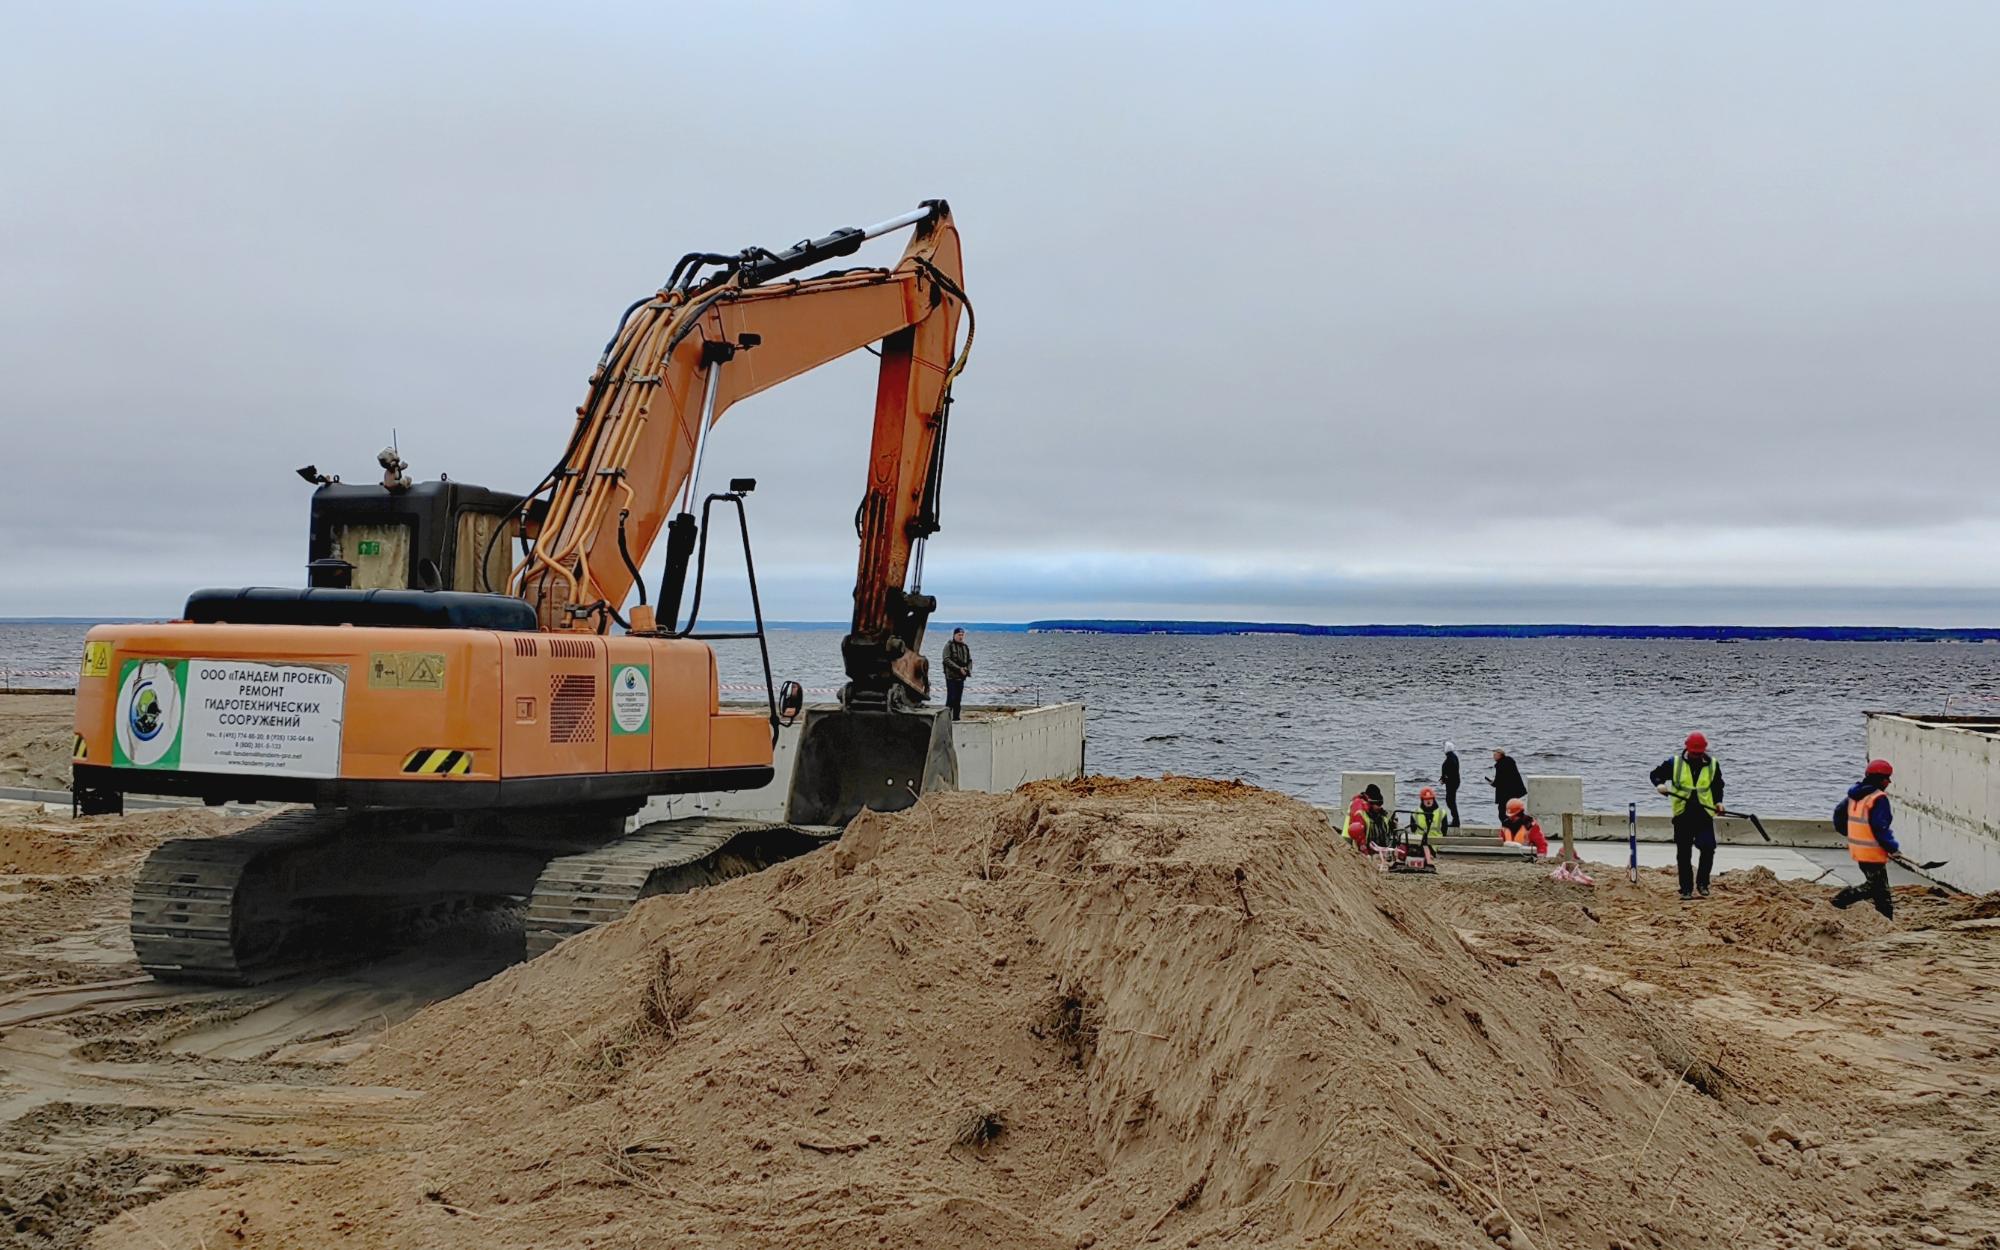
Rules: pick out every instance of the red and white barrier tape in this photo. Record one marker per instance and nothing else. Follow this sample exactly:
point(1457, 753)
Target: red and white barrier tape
point(729, 687)
point(744, 687)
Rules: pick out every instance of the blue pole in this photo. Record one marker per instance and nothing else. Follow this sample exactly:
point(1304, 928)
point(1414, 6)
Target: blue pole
point(1632, 841)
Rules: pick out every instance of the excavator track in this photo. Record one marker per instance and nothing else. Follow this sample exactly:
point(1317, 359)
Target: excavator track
point(579, 892)
point(200, 909)
point(310, 889)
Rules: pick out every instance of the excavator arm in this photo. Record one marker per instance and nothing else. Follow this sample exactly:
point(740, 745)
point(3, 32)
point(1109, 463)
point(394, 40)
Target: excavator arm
point(681, 357)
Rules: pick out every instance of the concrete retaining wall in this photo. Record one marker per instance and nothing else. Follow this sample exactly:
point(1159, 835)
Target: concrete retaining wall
point(996, 752)
point(1784, 830)
point(1000, 753)
point(1547, 795)
point(1946, 793)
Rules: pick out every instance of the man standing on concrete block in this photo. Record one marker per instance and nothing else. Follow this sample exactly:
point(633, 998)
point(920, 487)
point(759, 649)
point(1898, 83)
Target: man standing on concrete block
point(1506, 782)
point(1448, 777)
point(1864, 817)
point(957, 667)
point(1692, 781)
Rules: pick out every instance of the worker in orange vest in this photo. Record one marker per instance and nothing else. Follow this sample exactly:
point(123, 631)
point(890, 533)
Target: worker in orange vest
point(1522, 829)
point(1863, 816)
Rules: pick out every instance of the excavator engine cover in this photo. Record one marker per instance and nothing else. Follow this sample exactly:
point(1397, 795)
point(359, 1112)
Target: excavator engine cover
point(884, 760)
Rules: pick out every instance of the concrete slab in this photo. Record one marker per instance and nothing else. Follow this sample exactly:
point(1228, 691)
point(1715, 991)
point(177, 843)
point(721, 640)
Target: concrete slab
point(1353, 783)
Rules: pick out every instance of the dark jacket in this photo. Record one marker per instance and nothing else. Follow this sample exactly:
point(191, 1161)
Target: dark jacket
point(957, 660)
point(1507, 783)
point(1693, 815)
point(1878, 816)
point(1449, 773)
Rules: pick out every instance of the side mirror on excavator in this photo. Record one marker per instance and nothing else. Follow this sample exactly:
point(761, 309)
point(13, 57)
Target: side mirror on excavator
point(791, 702)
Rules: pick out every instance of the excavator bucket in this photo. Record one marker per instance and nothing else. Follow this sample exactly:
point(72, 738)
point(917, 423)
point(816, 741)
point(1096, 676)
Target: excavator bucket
point(873, 759)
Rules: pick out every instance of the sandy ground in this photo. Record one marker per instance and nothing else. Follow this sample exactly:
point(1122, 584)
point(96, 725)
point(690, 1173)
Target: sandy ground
point(1098, 1014)
point(35, 735)
point(1052, 1020)
point(115, 1090)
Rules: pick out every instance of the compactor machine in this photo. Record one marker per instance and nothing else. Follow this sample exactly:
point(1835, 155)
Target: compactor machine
point(474, 692)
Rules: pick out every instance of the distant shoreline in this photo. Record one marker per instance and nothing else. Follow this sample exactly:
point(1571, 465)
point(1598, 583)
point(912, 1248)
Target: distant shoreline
point(1197, 629)
point(1686, 633)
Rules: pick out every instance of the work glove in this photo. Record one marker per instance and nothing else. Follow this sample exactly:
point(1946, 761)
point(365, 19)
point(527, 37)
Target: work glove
point(1662, 790)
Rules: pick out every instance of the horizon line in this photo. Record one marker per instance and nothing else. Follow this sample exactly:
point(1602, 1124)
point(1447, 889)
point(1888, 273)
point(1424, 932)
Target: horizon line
point(1213, 625)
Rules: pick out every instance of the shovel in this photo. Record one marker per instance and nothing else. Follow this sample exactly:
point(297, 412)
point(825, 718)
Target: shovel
point(1755, 823)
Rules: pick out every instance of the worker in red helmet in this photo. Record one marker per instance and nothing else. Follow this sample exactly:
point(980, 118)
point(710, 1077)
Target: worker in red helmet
point(1368, 819)
point(1522, 829)
point(1692, 782)
point(1863, 817)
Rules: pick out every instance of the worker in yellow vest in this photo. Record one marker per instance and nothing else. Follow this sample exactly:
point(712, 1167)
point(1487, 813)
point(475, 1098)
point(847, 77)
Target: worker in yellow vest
point(1692, 781)
point(1863, 816)
point(1427, 822)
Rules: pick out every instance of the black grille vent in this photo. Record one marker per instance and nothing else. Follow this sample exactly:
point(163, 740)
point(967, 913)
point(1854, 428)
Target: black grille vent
point(572, 706)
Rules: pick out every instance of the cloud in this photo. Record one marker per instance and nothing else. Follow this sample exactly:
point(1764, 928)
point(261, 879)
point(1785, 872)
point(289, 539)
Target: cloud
point(1359, 309)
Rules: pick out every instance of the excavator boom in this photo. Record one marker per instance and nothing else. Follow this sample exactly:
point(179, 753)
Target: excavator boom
point(682, 357)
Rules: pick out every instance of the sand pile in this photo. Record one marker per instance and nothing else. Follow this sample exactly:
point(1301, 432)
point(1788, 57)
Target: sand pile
point(1101, 1013)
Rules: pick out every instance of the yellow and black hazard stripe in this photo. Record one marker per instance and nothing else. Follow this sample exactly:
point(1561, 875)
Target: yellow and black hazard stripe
point(79, 749)
point(438, 762)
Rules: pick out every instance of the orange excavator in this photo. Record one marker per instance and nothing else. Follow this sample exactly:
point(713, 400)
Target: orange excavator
point(460, 699)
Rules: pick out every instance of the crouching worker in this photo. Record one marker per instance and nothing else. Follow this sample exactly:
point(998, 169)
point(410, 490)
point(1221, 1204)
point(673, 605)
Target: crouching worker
point(1521, 829)
point(1427, 822)
point(1367, 821)
point(1864, 817)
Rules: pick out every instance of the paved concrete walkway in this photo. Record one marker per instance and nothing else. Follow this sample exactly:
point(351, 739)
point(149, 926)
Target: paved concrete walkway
point(1786, 861)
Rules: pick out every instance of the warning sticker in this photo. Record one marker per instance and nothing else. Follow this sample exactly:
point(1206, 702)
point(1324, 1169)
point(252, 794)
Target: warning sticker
point(631, 699)
point(406, 670)
point(97, 659)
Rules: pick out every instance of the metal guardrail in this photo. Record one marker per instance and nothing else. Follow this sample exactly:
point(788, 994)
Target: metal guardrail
point(1975, 701)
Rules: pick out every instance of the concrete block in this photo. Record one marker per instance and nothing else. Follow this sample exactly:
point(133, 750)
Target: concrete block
point(996, 752)
point(1946, 798)
point(1550, 796)
point(1353, 783)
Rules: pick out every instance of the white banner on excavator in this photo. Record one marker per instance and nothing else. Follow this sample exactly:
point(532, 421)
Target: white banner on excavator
point(245, 717)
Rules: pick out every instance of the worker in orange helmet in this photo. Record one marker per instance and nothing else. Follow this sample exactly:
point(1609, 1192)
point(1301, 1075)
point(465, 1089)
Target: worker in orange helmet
point(1427, 822)
point(1863, 816)
point(1521, 829)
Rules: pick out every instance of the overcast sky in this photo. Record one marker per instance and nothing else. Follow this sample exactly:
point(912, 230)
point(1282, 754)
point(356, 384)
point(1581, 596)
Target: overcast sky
point(1337, 313)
